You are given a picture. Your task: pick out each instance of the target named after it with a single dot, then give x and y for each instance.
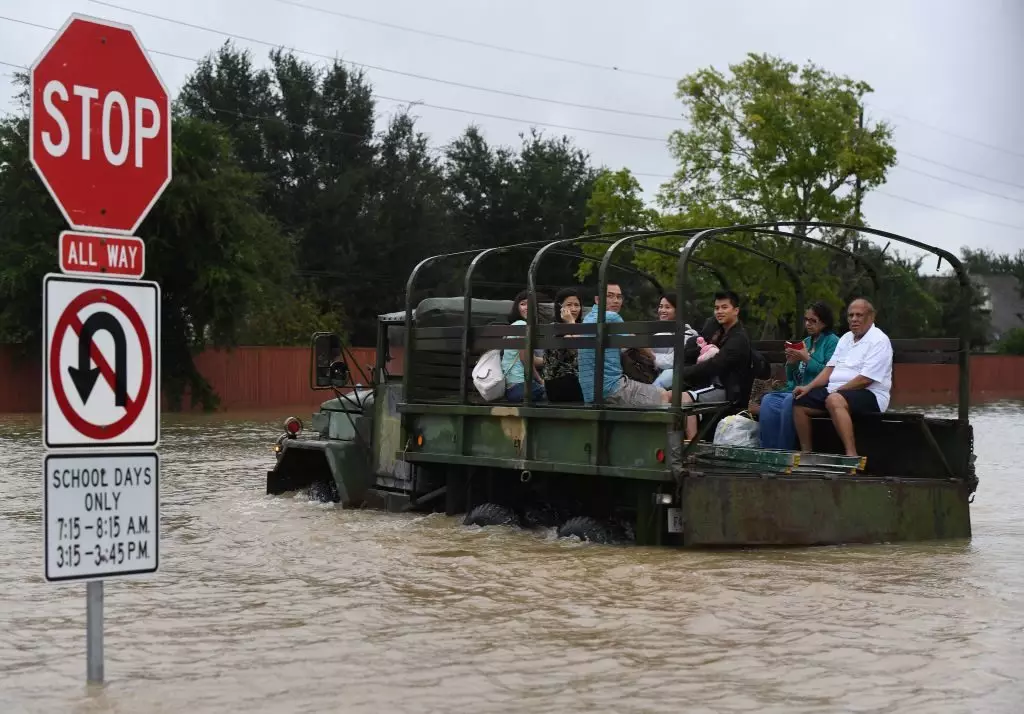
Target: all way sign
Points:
(92, 253)
(101, 369)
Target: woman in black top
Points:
(561, 371)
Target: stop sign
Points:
(100, 125)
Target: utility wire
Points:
(488, 115)
(388, 70)
(502, 117)
(278, 120)
(638, 137)
(961, 185)
(946, 210)
(960, 170)
(513, 119)
(940, 130)
(592, 65)
(477, 43)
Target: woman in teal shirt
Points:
(802, 366)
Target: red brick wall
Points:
(252, 378)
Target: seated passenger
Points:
(664, 356)
(618, 389)
(560, 364)
(726, 376)
(513, 362)
(802, 366)
(856, 380)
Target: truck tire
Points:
(325, 491)
(491, 514)
(590, 529)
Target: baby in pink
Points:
(707, 350)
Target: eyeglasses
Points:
(614, 296)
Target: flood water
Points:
(270, 604)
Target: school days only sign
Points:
(100, 140)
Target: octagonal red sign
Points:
(100, 125)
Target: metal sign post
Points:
(100, 140)
(94, 631)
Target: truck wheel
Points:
(591, 529)
(544, 516)
(325, 491)
(491, 514)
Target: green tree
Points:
(987, 262)
(214, 253)
(407, 220)
(615, 205)
(1012, 343)
(777, 142)
(500, 197)
(31, 223)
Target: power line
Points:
(465, 111)
(637, 137)
(940, 130)
(961, 185)
(517, 120)
(388, 70)
(946, 210)
(960, 170)
(583, 63)
(478, 43)
(507, 118)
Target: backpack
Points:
(638, 366)
(759, 365)
(488, 377)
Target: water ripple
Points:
(283, 605)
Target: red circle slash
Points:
(69, 321)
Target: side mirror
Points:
(327, 366)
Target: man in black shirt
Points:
(726, 376)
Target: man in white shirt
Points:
(856, 380)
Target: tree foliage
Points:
(1012, 343)
(296, 207)
(776, 142)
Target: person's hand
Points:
(800, 391)
(800, 355)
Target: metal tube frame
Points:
(964, 384)
(603, 239)
(680, 293)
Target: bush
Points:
(1012, 343)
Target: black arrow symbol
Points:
(84, 377)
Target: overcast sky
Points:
(949, 75)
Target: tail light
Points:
(293, 426)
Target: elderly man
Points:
(856, 380)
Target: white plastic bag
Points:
(738, 430)
(488, 377)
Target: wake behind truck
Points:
(425, 441)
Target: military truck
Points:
(425, 440)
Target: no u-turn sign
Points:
(101, 371)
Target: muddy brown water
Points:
(271, 604)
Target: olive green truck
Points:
(425, 441)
